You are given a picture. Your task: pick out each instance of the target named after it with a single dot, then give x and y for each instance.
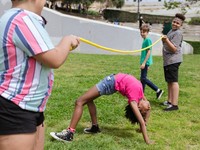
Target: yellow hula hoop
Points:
(117, 50)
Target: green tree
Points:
(183, 6)
(86, 3)
(118, 3)
(109, 3)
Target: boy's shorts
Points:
(107, 85)
(14, 120)
(171, 72)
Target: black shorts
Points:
(171, 72)
(14, 120)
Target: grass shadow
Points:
(122, 132)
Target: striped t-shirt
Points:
(23, 80)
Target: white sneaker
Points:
(166, 103)
(64, 135)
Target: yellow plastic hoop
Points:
(117, 50)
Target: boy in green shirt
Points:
(146, 60)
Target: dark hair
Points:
(180, 16)
(130, 115)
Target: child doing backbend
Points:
(138, 109)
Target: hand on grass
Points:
(150, 142)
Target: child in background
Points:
(146, 60)
(137, 111)
(27, 57)
(172, 58)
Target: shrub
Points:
(195, 21)
(195, 45)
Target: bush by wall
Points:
(119, 15)
(195, 21)
(195, 45)
(124, 16)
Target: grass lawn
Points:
(178, 130)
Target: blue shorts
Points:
(14, 120)
(107, 85)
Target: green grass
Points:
(178, 130)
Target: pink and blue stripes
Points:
(23, 80)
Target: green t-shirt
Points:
(146, 43)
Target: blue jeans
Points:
(144, 80)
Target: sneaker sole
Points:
(160, 95)
(53, 134)
(170, 109)
(90, 132)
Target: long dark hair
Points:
(130, 115)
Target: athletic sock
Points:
(71, 130)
